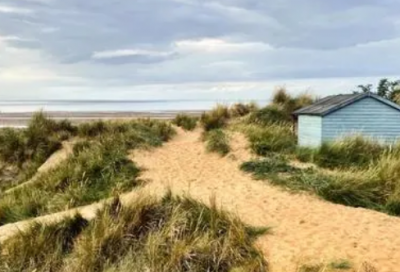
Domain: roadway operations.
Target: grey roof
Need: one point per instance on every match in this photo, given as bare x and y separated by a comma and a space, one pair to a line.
333, 103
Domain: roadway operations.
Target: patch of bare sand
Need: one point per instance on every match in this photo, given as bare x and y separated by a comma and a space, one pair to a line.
304, 227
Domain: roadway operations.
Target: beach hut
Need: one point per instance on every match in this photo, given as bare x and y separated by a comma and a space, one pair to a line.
337, 116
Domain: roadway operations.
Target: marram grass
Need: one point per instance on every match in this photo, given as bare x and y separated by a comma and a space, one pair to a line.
171, 234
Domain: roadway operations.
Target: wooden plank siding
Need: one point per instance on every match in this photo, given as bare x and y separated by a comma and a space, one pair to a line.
368, 117
309, 130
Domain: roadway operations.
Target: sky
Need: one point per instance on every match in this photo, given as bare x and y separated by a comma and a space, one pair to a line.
194, 49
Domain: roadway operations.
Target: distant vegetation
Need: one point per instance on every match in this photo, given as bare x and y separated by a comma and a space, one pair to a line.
185, 121
23, 151
216, 118
215, 121
172, 234
241, 109
385, 88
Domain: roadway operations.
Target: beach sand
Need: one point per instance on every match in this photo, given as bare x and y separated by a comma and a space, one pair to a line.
304, 227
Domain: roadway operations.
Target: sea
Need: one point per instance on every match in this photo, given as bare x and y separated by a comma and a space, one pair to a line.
113, 105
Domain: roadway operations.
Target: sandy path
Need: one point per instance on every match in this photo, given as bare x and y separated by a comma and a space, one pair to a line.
304, 227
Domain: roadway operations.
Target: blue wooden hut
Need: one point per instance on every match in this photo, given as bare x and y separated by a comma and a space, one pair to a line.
337, 116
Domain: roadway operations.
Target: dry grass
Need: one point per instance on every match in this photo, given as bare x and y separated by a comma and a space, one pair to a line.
185, 121
217, 141
171, 234
216, 118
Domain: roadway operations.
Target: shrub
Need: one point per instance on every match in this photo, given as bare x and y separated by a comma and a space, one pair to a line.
215, 119
281, 96
273, 138
304, 100
218, 141
170, 234
269, 115
349, 152
289, 103
92, 129
240, 109
185, 121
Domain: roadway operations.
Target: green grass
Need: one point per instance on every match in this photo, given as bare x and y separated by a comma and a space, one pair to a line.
90, 175
171, 234
269, 115
349, 152
215, 119
374, 188
185, 121
146, 129
274, 138
281, 109
25, 150
340, 265
217, 141
98, 168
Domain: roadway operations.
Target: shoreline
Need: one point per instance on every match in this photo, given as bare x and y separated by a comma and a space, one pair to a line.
21, 119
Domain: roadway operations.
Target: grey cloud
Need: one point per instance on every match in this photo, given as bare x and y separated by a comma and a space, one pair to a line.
309, 39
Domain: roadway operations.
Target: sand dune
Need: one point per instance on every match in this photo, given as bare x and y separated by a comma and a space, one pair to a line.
304, 227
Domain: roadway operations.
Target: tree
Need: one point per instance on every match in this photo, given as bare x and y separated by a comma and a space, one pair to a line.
383, 89
386, 89
365, 88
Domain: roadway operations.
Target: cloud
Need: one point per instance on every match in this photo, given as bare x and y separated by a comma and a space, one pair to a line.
218, 46
96, 47
16, 10
127, 53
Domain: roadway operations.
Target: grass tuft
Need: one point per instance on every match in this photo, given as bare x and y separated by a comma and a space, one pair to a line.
217, 141
274, 138
215, 119
171, 234
349, 152
241, 109
185, 121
